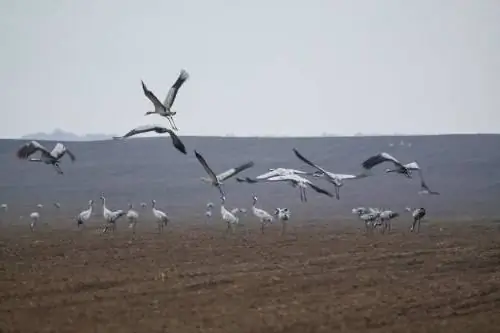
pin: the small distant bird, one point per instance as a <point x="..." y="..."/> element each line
<point x="35" y="216"/>
<point x="110" y="217"/>
<point x="164" y="109"/>
<point x="161" y="217"/>
<point x="228" y="217"/>
<point x="217" y="180"/>
<point x="336" y="179"/>
<point x="132" y="217"/>
<point x="48" y="157"/>
<point x="143" y="205"/>
<point x="283" y="215"/>
<point x="158" y="129"/>
<point x="385" y="218"/>
<point x="404" y="169"/>
<point x="417" y="214"/>
<point x="4" y="207"/>
<point x="85" y="215"/>
<point x="57" y="205"/>
<point x="208" y="211"/>
<point x="264" y="217"/>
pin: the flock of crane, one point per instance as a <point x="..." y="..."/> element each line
<point x="372" y="217"/>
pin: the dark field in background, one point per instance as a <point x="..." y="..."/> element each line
<point x="464" y="168"/>
<point x="319" y="278"/>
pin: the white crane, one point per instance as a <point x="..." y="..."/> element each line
<point x="417" y="214"/>
<point x="85" y="215"/>
<point x="143" y="205"/>
<point x="165" y="109"/>
<point x="294" y="181"/>
<point x="228" y="217"/>
<point x="404" y="169"/>
<point x="217" y="180"/>
<point x="110" y="217"/>
<point x="336" y="179"/>
<point x="208" y="211"/>
<point x="264" y="217"/>
<point x="386" y="216"/>
<point x="281" y="172"/>
<point x="161" y="217"/>
<point x="35" y="217"/>
<point x="158" y="129"/>
<point x="274" y="173"/>
<point x="39" y="206"/>
<point x="283" y="215"/>
<point x="48" y="157"/>
<point x="4" y="207"/>
<point x="132" y="217"/>
<point x="368" y="215"/>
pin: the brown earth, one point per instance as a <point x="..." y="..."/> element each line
<point x="193" y="279"/>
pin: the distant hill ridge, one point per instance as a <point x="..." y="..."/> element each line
<point x="60" y="135"/>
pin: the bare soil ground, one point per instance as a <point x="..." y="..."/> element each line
<point x="318" y="278"/>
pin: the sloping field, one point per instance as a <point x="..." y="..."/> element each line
<point x="318" y="278"/>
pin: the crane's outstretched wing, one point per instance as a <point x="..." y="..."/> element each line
<point x="143" y="129"/>
<point x="206" y="167"/>
<point x="231" y="172"/>
<point x="29" y="148"/>
<point x="305" y="160"/>
<point x="269" y="174"/>
<point x="380" y="158"/>
<point x="423" y="185"/>
<point x="320" y="190"/>
<point x="412" y="166"/>
<point x="149" y="94"/>
<point x="177" y="142"/>
<point x="172" y="93"/>
<point x="60" y="150"/>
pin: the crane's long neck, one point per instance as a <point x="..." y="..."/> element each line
<point x="104" y="208"/>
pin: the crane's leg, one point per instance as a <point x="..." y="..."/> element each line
<point x="262" y="227"/>
<point x="172" y="123"/>
<point x="283" y="228"/>
<point x="337" y="192"/>
<point x="418" y="226"/>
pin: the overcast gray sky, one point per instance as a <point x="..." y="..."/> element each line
<point x="259" y="67"/>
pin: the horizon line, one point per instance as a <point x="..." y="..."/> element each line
<point x="258" y="136"/>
